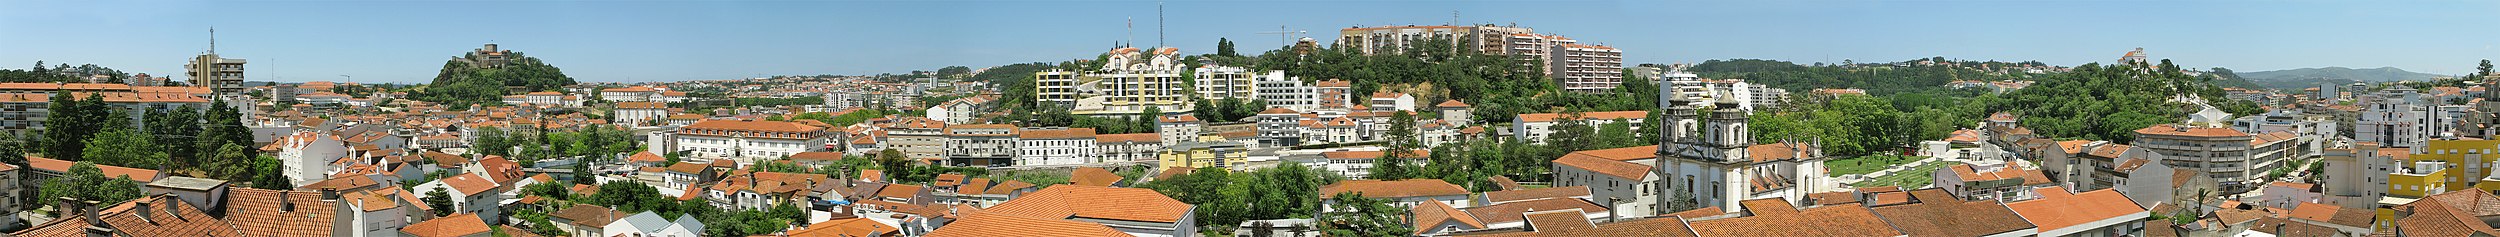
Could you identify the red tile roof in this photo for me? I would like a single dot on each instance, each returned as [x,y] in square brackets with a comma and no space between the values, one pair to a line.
[449,226]
[1939,214]
[1619,169]
[987,224]
[1516,211]
[262,211]
[1090,176]
[1431,214]
[2189,131]
[62,166]
[1074,201]
[853,227]
[1774,217]
[2058,209]
[168,217]
[1535,193]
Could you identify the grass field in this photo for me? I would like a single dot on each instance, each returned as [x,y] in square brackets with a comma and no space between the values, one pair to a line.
[1909,179]
[1867,164]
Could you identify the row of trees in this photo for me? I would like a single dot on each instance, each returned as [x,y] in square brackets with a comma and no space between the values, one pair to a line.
[588,141]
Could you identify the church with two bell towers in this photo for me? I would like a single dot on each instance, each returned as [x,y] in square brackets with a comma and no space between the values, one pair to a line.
[1713,162]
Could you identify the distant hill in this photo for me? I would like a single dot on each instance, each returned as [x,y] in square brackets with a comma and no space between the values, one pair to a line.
[2308,77]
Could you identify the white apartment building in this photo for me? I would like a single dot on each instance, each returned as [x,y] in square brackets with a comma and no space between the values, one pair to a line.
[1220,82]
[1585,68]
[641,114]
[1056,146]
[1175,129]
[630,94]
[2395,118]
[1128,147]
[1391,101]
[749,141]
[307,155]
[1279,126]
[2236,160]
[1355,164]
[981,143]
[1287,92]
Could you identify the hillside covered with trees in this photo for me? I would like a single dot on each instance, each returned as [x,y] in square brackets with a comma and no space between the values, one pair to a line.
[461,83]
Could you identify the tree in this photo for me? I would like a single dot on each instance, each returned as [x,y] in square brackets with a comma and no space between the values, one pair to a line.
[2483,69]
[87,183]
[1356,215]
[892,160]
[440,201]
[67,131]
[1224,47]
[126,148]
[269,174]
[171,129]
[12,152]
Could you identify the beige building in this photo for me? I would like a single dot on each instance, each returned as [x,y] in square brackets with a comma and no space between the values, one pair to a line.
[2236,159]
[1131,81]
[224,75]
[1585,68]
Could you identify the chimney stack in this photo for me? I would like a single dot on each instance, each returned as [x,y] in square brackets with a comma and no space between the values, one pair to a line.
[144,211]
[285,204]
[87,209]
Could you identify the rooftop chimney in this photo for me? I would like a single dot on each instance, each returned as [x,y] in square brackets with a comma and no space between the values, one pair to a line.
[145,213]
[285,204]
[329,194]
[87,209]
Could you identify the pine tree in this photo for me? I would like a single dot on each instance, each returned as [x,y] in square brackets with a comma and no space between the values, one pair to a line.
[67,129]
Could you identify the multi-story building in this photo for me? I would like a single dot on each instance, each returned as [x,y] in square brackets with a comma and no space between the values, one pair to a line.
[1391,101]
[1352,164]
[748,141]
[641,114]
[2235,159]
[1175,129]
[9,178]
[1397,39]
[24,106]
[222,75]
[1279,126]
[2395,118]
[2357,176]
[1287,92]
[630,94]
[1716,161]
[981,143]
[1056,146]
[1335,94]
[1056,87]
[2446,166]
[1585,68]
[1131,81]
[920,139]
[1216,82]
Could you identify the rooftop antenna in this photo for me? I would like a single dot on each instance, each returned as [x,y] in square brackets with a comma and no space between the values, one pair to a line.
[1159,24]
[212,40]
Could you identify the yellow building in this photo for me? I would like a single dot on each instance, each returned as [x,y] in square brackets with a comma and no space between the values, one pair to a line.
[2444,165]
[1202,154]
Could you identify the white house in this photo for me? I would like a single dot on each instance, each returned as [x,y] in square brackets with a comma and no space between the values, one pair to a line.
[469,193]
[1402,193]
[641,114]
[748,141]
[1056,146]
[307,155]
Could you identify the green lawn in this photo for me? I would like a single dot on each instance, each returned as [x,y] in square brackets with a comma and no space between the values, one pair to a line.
[1909,179]
[1867,164]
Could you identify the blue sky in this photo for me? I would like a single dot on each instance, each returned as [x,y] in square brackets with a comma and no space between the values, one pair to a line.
[407,41]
